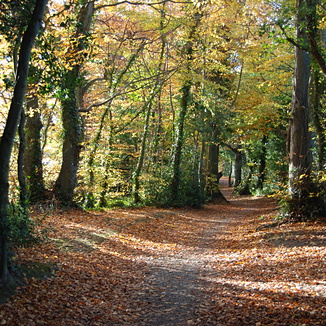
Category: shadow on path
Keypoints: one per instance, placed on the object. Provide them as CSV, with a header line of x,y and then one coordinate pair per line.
x,y
177,282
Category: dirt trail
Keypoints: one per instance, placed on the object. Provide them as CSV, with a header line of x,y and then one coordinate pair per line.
x,y
177,281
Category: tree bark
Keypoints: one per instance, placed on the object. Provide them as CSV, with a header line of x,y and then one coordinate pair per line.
x,y
33,154
318,89
23,192
176,162
299,141
9,132
237,163
139,166
73,135
262,164
70,102
184,103
299,146
213,160
237,167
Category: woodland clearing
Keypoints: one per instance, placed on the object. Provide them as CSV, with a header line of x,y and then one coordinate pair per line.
x,y
154,266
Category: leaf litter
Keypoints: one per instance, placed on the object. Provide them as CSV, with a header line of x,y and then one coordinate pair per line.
x,y
150,266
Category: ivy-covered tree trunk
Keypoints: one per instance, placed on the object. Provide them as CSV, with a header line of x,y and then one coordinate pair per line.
x,y
33,154
262,163
72,126
7,139
316,40
90,198
201,167
176,162
73,135
184,104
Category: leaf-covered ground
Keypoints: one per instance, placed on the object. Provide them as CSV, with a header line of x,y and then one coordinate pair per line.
x,y
148,266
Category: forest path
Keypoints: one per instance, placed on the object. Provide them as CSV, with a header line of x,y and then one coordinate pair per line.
x,y
178,280
155,267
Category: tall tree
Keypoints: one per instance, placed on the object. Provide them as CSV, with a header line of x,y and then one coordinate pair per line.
x,y
213,166
185,99
299,141
70,103
9,132
33,155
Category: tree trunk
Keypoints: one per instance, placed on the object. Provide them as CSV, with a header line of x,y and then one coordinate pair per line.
x,y
73,135
90,198
230,174
214,175
105,184
318,88
237,169
243,189
72,126
33,154
237,166
139,166
262,164
23,192
184,103
157,145
176,162
201,165
299,146
299,141
9,132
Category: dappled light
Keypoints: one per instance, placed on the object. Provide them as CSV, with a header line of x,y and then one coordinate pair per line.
x,y
162,163
149,266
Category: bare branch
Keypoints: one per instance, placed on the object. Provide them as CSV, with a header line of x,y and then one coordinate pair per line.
x,y
90,83
292,40
131,83
140,3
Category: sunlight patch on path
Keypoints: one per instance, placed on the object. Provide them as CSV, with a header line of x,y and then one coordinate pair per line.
x,y
175,286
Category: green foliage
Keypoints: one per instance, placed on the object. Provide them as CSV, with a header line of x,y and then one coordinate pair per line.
x,y
307,201
14,17
156,190
23,231
190,195
269,189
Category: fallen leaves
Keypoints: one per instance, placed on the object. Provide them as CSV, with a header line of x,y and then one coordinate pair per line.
x,y
126,266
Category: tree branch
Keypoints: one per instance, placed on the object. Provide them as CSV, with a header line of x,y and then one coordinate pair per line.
x,y
119,93
140,3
